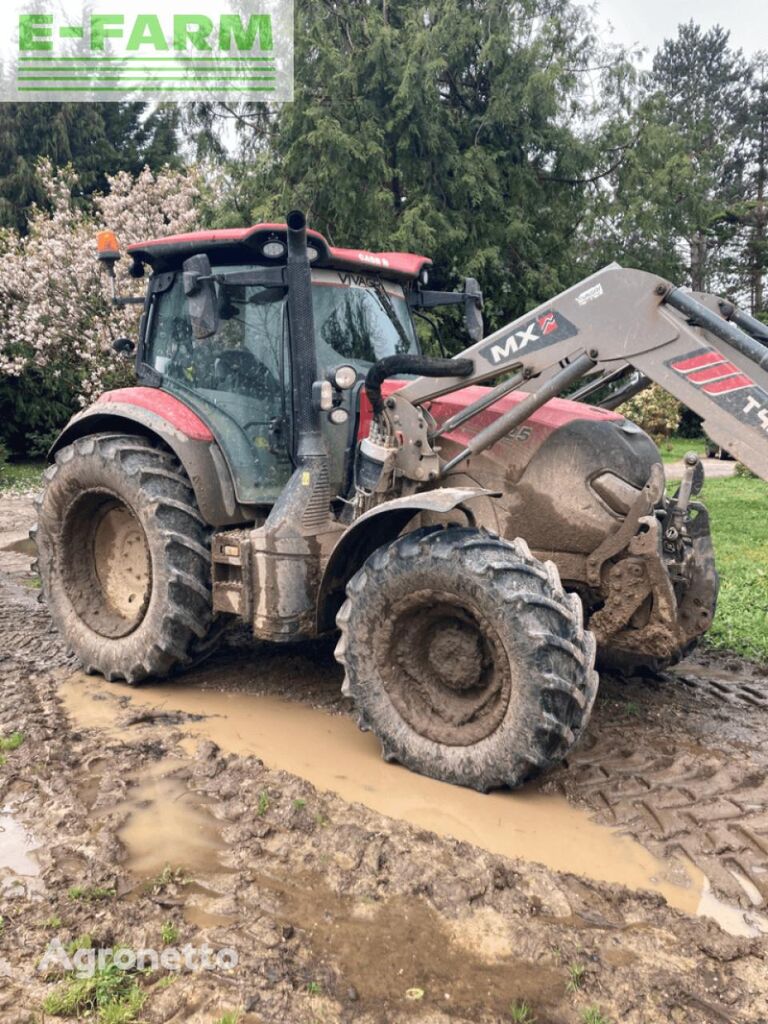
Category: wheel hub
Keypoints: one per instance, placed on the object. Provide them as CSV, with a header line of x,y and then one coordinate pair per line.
x,y
445,669
106,564
121,562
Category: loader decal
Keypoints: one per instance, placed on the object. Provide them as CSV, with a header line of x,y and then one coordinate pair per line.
x,y
539,331
731,388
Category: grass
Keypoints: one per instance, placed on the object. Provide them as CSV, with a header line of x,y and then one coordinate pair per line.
x,y
12,742
232,1017
168,876
9,743
738,509
674,449
576,976
110,996
592,1015
169,933
521,1013
21,477
263,805
90,893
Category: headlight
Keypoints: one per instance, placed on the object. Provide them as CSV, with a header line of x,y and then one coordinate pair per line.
x,y
312,253
273,250
344,377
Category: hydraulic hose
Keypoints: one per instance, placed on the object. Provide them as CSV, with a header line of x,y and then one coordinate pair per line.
x,y
422,366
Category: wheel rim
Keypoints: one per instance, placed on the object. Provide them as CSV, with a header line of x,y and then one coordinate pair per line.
x,y
444,668
106,564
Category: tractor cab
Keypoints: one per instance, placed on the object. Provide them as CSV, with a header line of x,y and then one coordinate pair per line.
x,y
216,334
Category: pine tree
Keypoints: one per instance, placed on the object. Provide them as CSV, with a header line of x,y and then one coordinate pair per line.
x,y
701,85
98,139
454,129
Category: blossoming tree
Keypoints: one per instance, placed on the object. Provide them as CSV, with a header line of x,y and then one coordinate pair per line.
x,y
55,309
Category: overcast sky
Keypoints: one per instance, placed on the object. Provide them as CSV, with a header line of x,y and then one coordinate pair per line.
x,y
649,22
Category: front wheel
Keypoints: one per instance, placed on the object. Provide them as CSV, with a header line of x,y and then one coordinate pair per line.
x,y
466,658
124,558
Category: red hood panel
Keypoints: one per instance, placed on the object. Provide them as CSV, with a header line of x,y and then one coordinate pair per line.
x,y
556,413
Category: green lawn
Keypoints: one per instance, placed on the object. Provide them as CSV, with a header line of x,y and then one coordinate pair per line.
x,y
674,449
738,509
20,477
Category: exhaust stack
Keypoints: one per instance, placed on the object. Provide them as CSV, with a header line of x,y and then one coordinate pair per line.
x,y
308,441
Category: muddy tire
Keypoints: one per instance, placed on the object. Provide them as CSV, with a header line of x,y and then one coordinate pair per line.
x,y
124,558
466,658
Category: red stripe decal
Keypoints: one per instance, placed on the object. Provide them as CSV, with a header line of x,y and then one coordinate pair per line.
x,y
720,387
713,373
696,362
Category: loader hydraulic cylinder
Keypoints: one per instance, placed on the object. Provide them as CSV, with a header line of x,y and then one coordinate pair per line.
x,y
551,389
698,314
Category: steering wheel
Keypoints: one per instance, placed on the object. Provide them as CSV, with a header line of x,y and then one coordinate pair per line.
x,y
251,375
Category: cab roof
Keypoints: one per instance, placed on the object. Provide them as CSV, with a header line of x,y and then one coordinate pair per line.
x,y
247,243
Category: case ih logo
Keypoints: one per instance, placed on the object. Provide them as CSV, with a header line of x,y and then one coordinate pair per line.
x,y
729,386
541,330
713,373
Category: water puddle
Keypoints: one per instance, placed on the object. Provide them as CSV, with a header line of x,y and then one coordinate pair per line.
x,y
168,825
16,847
732,919
23,546
18,868
330,752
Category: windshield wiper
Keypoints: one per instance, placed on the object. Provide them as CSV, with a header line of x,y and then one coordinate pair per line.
x,y
389,309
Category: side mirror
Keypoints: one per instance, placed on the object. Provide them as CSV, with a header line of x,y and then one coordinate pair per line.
x,y
473,304
123,346
200,290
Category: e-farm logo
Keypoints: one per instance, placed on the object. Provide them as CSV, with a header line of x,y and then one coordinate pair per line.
x,y
182,50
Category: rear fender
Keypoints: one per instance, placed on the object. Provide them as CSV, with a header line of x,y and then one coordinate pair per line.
x,y
177,428
377,527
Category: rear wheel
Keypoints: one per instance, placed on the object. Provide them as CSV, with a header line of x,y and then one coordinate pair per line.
x,y
466,658
124,558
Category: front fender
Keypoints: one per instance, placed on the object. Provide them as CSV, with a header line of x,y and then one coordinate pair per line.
x,y
375,528
179,429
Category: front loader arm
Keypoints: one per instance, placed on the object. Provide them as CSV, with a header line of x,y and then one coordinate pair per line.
x,y
629,318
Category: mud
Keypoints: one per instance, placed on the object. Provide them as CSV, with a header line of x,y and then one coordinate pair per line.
x,y
331,753
369,898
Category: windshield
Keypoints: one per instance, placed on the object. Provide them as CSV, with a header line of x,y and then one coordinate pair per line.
x,y
245,356
351,322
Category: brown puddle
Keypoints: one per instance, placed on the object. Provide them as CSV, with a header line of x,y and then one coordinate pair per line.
x,y
17,846
458,965
24,546
331,753
163,811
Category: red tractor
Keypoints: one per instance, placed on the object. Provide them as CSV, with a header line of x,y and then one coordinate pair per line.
x,y
289,458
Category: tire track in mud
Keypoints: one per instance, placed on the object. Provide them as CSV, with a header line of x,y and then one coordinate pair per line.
x,y
680,764
318,890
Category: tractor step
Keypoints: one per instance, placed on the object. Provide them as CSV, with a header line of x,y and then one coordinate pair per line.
x,y
231,558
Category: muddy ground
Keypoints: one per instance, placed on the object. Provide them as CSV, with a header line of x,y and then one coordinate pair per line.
x,y
129,811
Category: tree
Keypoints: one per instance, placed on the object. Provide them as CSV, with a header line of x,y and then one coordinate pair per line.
x,y
96,139
459,130
755,216
56,319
